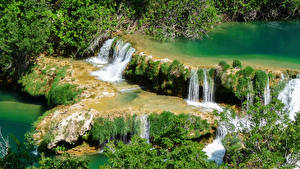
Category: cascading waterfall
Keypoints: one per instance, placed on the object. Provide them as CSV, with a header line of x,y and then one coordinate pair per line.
x,y
249,96
216,151
193,95
208,88
112,72
290,97
145,128
267,93
103,56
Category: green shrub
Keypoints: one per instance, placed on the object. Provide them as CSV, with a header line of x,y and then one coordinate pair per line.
x,y
165,120
224,65
260,81
63,94
237,64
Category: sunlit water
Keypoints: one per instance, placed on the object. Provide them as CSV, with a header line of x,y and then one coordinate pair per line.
x,y
259,44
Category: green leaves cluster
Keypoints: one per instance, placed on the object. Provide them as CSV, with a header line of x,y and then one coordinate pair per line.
x,y
24,32
168,129
164,78
271,139
247,10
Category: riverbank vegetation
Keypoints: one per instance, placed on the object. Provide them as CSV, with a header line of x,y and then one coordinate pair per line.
x,y
75,28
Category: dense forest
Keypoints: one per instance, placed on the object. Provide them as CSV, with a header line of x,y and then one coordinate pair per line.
x,y
76,28
72,28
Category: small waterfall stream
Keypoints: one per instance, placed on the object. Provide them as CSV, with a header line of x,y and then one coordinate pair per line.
x,y
103,56
208,93
208,88
215,150
249,96
112,72
193,95
267,93
145,128
290,97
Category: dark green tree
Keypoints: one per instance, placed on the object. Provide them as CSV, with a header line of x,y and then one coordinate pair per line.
x,y
24,31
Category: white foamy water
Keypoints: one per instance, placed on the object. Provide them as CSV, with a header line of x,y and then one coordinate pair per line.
x,y
145,128
103,56
193,94
112,72
208,88
290,97
267,93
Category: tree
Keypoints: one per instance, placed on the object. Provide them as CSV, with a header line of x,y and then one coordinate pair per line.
x,y
24,31
272,142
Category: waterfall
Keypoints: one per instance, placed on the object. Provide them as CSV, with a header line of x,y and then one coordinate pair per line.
x,y
145,128
35,151
215,150
193,95
103,56
208,88
290,97
267,93
249,96
112,72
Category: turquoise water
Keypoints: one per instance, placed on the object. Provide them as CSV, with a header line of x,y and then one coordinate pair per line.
x,y
17,114
273,44
97,160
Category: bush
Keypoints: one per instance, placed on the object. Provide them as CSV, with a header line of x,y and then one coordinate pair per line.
x,y
168,121
63,94
260,81
237,64
224,65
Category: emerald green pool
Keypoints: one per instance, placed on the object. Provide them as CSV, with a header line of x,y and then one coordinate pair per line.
x,y
260,44
17,114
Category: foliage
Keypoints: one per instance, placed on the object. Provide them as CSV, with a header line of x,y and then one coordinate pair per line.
x,y
224,65
272,139
247,10
104,129
76,23
189,18
237,64
172,149
244,83
24,31
62,93
163,78
168,122
62,162
260,81
18,157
